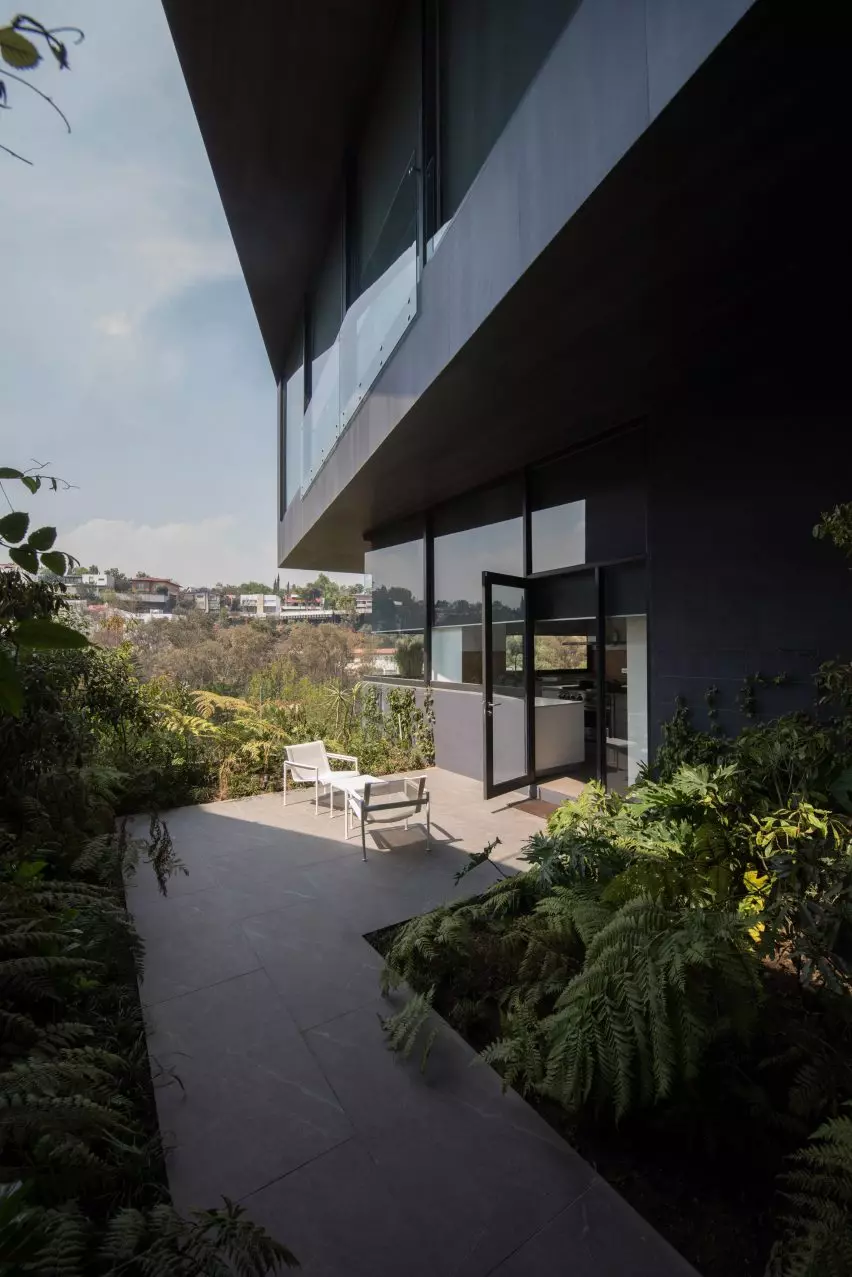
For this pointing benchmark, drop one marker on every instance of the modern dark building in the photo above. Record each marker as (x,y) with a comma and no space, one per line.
(556,295)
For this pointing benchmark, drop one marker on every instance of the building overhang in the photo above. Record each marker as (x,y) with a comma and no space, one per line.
(278,90)
(706,261)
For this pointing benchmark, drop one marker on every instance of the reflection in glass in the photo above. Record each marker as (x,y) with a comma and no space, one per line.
(507,709)
(386,298)
(565,682)
(457,654)
(460,560)
(397,656)
(397,573)
(626,699)
(399,610)
(294,409)
(558,536)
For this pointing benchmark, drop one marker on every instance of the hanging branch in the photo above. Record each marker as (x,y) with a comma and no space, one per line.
(18,51)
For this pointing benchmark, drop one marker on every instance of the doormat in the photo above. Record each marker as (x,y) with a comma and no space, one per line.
(536,807)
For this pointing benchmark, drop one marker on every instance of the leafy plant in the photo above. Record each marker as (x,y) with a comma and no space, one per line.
(82,1184)
(817,1239)
(17,50)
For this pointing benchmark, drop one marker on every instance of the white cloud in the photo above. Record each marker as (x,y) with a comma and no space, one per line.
(117,325)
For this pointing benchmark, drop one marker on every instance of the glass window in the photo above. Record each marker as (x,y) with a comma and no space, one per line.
(293,410)
(589,507)
(460,560)
(399,610)
(489,54)
(397,573)
(481,533)
(558,536)
(625,674)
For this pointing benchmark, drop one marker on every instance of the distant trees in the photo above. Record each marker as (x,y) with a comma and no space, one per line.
(318,652)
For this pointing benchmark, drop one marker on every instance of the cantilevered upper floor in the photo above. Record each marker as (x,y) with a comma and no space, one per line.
(477,230)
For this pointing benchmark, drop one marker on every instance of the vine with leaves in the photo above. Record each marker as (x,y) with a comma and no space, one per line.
(19,51)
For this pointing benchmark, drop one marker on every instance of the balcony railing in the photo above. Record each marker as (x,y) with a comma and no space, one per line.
(343,375)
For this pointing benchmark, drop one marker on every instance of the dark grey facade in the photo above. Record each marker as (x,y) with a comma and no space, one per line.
(569,310)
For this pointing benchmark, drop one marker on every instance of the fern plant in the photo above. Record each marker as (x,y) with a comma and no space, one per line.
(405,1029)
(817,1240)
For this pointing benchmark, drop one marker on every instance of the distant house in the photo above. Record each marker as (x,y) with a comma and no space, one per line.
(260,604)
(202,597)
(156,594)
(90,581)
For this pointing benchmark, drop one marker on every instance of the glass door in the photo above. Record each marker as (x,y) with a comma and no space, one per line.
(507,684)
(565,620)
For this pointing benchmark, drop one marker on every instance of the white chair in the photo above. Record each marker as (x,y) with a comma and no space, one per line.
(396,799)
(309,764)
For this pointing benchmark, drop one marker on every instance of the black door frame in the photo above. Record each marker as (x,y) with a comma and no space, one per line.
(489,579)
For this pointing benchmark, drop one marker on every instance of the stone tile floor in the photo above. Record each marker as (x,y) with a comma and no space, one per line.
(262,998)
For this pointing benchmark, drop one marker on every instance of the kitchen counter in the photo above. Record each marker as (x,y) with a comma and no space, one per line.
(560,738)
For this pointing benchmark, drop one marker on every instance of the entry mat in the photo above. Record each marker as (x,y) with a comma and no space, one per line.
(536,807)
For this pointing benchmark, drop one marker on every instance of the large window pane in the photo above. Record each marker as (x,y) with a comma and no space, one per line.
(558,536)
(460,560)
(481,533)
(626,674)
(397,573)
(490,51)
(589,507)
(457,654)
(294,412)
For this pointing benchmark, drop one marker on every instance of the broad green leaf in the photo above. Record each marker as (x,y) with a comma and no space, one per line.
(41,539)
(32,481)
(11,691)
(17,50)
(7,472)
(25,558)
(13,527)
(30,870)
(54,561)
(47,635)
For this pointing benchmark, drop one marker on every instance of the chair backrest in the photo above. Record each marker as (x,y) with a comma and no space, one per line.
(313,753)
(415,788)
(402,793)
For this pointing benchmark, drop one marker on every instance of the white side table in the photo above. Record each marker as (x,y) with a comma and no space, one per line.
(348,785)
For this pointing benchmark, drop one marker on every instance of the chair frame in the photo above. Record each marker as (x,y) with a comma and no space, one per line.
(361,806)
(294,766)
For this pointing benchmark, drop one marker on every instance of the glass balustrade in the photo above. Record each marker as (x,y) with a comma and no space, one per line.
(344,374)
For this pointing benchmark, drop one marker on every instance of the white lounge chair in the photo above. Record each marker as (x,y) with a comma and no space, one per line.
(398,798)
(309,764)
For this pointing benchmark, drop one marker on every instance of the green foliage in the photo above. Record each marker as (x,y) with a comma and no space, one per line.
(817,1238)
(82,1184)
(412,1026)
(679,958)
(27,619)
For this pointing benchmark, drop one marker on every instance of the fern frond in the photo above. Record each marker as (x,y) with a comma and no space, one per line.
(403,1029)
(817,1241)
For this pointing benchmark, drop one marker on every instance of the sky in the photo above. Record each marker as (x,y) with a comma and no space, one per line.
(130,357)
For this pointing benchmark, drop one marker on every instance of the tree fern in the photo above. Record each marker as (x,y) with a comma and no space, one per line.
(655,989)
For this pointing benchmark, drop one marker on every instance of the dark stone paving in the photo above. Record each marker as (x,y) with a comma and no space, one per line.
(262,997)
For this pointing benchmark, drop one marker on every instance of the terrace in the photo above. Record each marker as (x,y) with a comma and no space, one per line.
(263,999)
